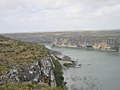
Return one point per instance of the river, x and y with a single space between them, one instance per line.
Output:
99 71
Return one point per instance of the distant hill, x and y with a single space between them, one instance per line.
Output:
48 37
103 40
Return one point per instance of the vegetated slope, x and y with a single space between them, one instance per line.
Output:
19 52
25 66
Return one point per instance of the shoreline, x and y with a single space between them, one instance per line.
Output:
84 48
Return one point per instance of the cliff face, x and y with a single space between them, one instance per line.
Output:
37 72
95 41
26 63
103 40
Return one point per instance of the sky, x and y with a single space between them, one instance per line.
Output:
58 15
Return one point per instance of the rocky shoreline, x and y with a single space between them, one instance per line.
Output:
88 48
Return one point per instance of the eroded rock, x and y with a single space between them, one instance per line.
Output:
37 72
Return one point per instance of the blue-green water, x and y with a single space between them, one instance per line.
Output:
99 71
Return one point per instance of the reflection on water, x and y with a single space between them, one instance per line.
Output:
99 71
86 83
77 81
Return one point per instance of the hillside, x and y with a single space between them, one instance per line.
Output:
26 66
98 40
19 52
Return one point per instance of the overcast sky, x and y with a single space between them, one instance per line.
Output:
53 15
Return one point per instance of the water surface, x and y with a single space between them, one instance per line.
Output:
99 71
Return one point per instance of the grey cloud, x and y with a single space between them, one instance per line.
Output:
36 15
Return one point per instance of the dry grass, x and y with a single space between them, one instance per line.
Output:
20 52
27 86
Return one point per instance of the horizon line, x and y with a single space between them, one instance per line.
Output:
81 30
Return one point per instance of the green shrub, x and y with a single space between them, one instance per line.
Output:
58 72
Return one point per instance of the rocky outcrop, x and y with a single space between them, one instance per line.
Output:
40 71
27 63
91 42
66 58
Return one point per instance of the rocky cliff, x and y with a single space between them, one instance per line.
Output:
100 40
22 62
104 41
